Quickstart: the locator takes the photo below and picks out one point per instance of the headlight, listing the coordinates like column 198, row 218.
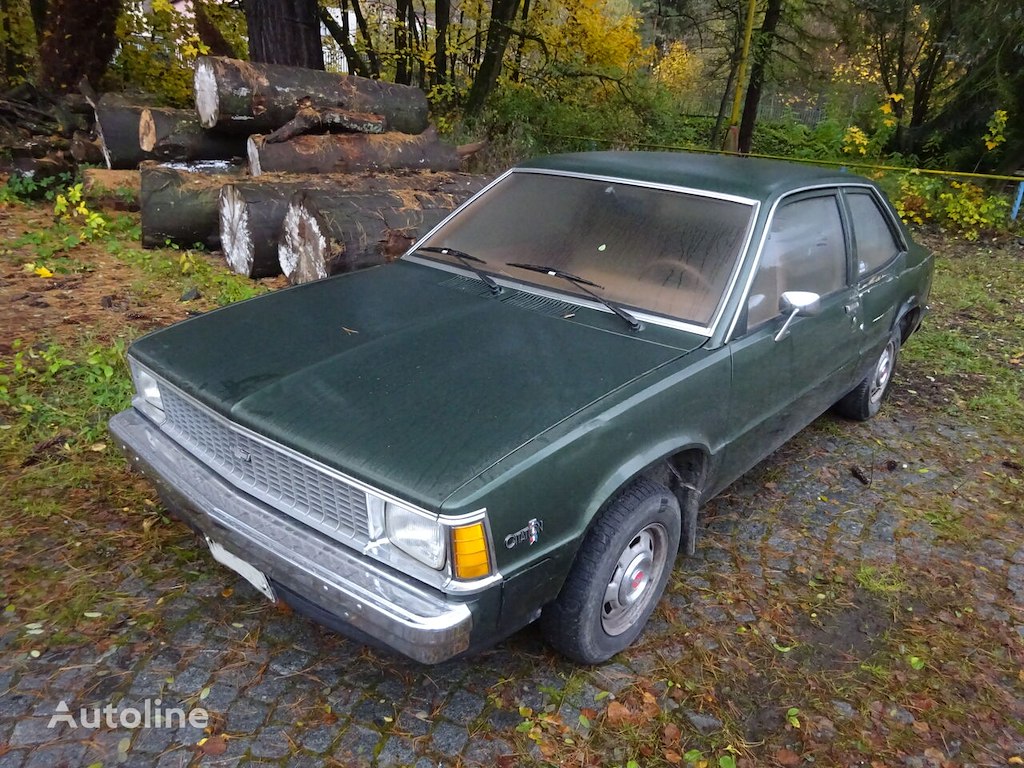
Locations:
column 147, row 390
column 415, row 534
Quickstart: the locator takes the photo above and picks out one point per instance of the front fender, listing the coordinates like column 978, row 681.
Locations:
column 564, row 477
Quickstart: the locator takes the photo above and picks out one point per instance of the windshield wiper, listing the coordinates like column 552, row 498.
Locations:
column 582, row 283
column 468, row 262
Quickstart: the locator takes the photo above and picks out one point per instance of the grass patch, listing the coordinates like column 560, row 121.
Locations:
column 886, row 582
column 971, row 346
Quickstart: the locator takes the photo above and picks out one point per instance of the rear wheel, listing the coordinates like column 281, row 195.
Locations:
column 867, row 397
column 618, row 577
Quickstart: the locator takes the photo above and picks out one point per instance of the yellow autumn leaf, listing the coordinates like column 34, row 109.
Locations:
column 43, row 272
column 896, row 96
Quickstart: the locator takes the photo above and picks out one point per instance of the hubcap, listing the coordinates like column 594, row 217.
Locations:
column 883, row 372
column 631, row 589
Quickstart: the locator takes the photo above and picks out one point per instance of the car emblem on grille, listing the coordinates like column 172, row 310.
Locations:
column 241, row 454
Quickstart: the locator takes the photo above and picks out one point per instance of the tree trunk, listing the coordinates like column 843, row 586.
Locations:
column 175, row 134
column 323, row 235
column 442, row 16
column 284, row 32
column 498, row 32
column 352, row 153
column 758, row 69
column 37, row 9
column 403, row 57
column 236, row 96
column 252, row 212
column 364, row 32
column 117, row 130
column 79, row 40
column 210, row 34
column 341, row 35
column 179, row 207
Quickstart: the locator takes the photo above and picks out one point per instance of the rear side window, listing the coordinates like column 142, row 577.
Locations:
column 805, row 251
column 872, row 234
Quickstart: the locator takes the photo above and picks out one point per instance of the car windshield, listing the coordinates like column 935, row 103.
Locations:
column 655, row 250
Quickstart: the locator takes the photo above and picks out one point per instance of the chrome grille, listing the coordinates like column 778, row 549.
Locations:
column 271, row 474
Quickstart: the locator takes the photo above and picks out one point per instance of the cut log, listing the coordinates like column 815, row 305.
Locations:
column 86, row 149
column 353, row 153
column 175, row 134
column 111, row 189
column 324, row 236
column 179, row 203
column 117, row 129
column 245, row 97
column 309, row 120
column 252, row 211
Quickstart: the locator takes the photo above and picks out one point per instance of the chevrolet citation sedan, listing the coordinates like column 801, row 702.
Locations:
column 521, row 418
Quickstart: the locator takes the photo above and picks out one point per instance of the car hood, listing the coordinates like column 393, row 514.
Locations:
column 400, row 376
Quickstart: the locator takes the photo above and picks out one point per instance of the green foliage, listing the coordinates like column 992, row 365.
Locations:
column 969, row 210
column 49, row 390
column 960, row 207
column 157, row 53
column 70, row 207
column 21, row 188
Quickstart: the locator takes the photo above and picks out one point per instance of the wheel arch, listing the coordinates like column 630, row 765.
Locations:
column 908, row 319
column 683, row 468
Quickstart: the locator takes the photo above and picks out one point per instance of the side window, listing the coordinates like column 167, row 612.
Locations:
column 872, row 235
column 805, row 251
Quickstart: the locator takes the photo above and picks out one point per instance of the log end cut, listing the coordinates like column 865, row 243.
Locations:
column 235, row 233
column 207, row 103
column 303, row 248
column 252, row 149
column 147, row 131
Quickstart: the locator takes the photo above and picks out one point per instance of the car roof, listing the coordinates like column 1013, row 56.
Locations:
column 748, row 177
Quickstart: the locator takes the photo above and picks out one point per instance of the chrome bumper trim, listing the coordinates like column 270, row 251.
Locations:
column 412, row 621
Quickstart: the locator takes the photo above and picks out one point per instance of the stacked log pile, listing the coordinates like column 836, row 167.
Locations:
column 356, row 156
column 252, row 210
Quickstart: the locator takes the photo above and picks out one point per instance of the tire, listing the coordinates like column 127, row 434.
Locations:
column 867, row 397
column 619, row 574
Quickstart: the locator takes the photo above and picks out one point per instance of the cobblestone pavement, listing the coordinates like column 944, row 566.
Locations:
column 282, row 691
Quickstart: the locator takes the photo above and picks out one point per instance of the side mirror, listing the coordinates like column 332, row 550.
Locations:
column 802, row 303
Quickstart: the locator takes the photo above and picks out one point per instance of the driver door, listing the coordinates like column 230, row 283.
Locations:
column 780, row 386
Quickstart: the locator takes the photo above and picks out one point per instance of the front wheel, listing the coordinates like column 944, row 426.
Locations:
column 867, row 397
column 618, row 577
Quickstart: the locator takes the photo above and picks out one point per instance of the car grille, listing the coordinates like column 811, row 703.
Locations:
column 303, row 491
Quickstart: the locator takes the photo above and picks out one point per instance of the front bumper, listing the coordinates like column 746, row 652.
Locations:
column 343, row 587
